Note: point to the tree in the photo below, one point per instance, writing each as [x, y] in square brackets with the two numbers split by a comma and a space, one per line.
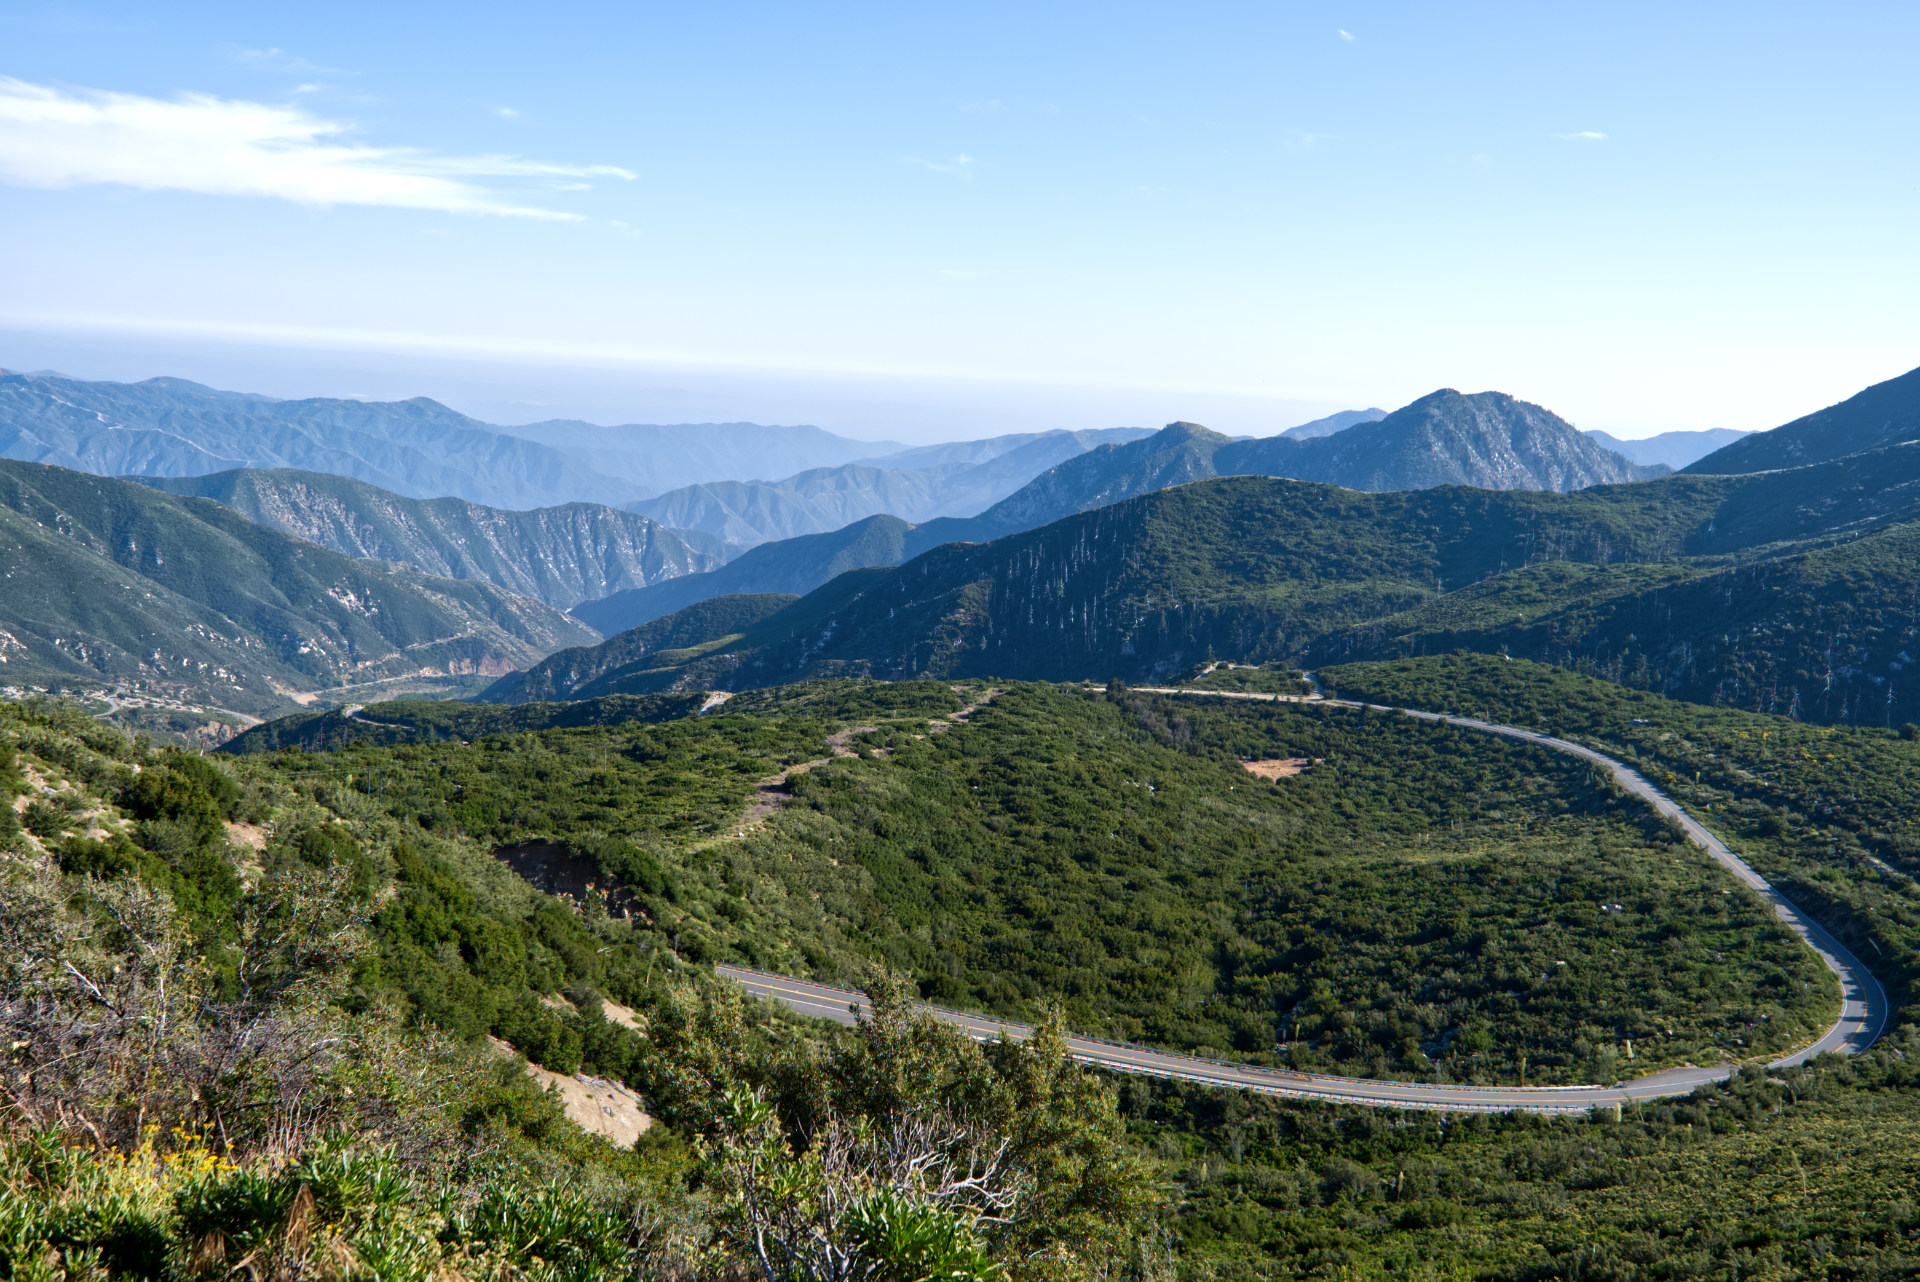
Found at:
[902, 1151]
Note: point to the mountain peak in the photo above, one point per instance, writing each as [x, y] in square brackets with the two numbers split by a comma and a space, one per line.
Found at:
[1181, 430]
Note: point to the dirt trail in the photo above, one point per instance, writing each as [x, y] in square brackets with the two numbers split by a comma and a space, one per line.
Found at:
[771, 793]
[953, 719]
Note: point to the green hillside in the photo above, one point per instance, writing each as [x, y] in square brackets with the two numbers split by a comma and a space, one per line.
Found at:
[1302, 910]
[1828, 635]
[1257, 569]
[113, 584]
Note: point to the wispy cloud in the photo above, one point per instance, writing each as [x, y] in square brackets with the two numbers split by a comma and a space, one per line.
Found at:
[281, 60]
[1343, 33]
[56, 138]
[506, 113]
[1585, 135]
[960, 166]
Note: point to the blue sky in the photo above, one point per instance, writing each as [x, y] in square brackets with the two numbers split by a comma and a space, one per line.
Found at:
[918, 221]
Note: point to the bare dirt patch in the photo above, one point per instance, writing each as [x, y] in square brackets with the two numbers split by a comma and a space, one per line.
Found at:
[1276, 768]
[252, 836]
[592, 1103]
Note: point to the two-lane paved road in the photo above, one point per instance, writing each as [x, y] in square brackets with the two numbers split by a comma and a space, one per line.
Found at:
[1862, 1017]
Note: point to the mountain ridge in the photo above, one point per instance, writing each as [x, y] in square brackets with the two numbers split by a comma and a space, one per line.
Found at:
[1887, 413]
[1268, 569]
[561, 555]
[417, 447]
[108, 582]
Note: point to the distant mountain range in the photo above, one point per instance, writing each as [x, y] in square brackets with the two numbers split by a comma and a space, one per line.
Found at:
[110, 582]
[417, 448]
[560, 555]
[1669, 449]
[917, 485]
[1490, 440]
[1333, 423]
[1478, 521]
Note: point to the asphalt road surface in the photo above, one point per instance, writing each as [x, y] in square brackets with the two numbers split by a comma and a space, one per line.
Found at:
[1863, 1013]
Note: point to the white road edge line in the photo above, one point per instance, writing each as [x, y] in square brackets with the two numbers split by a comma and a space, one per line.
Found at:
[1863, 1012]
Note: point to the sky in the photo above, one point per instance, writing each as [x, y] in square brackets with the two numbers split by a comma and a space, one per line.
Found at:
[920, 222]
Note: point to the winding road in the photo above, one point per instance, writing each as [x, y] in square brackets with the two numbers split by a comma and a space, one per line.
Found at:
[1862, 1017]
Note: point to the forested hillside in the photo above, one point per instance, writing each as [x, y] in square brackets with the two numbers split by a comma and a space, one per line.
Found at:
[1827, 635]
[1256, 569]
[108, 582]
[950, 830]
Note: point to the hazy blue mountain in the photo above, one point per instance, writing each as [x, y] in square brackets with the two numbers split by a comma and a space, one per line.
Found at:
[417, 448]
[796, 566]
[1177, 453]
[108, 582]
[955, 479]
[1884, 414]
[987, 448]
[1669, 449]
[171, 427]
[1333, 423]
[1488, 440]
[654, 459]
[560, 555]
[749, 513]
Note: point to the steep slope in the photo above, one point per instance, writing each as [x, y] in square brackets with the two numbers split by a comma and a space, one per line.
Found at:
[796, 566]
[1668, 449]
[1333, 423]
[1489, 440]
[1176, 454]
[958, 479]
[1829, 635]
[1884, 414]
[110, 582]
[560, 555]
[585, 672]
